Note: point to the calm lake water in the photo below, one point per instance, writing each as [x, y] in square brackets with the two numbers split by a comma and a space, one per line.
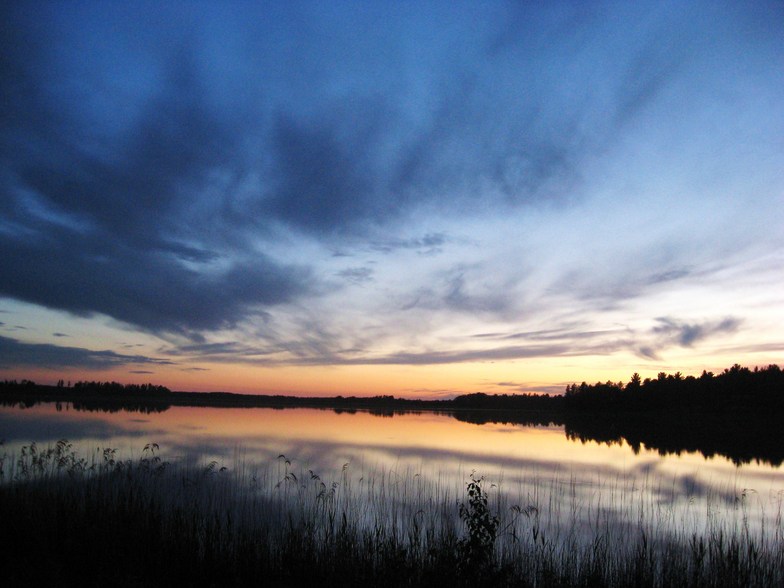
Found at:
[529, 465]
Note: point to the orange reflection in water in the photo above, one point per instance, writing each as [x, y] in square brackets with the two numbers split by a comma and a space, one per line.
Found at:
[523, 459]
[434, 436]
[429, 439]
[425, 440]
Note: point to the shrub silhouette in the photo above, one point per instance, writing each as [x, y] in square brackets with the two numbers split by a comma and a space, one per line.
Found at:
[477, 550]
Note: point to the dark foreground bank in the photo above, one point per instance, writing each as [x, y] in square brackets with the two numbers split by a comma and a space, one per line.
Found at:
[67, 520]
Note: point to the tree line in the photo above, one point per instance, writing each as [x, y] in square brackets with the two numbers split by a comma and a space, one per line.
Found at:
[735, 389]
[84, 388]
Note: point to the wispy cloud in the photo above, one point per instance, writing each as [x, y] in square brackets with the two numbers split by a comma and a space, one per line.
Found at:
[570, 340]
[686, 334]
[429, 244]
[356, 275]
[670, 332]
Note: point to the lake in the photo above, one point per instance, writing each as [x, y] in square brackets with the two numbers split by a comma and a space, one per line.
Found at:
[528, 466]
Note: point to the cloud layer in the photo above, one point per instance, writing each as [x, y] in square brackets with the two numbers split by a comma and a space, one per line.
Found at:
[318, 185]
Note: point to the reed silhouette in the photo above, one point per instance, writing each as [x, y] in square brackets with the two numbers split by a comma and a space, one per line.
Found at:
[98, 520]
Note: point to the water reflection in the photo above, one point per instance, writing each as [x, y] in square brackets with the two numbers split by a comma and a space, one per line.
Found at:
[740, 441]
[711, 435]
[539, 460]
[146, 406]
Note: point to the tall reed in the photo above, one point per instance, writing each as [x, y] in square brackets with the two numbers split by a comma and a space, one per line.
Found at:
[73, 520]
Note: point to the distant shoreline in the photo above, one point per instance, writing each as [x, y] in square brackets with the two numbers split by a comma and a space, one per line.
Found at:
[736, 390]
[736, 414]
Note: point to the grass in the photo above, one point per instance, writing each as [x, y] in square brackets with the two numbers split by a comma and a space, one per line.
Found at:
[96, 520]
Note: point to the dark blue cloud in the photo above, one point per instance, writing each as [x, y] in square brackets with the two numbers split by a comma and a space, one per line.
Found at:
[110, 232]
[109, 221]
[153, 291]
[14, 353]
[321, 183]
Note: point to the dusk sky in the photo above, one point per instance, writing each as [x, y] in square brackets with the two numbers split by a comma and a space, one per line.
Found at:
[411, 198]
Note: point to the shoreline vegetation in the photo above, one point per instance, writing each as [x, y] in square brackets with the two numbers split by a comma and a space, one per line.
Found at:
[735, 388]
[735, 414]
[74, 520]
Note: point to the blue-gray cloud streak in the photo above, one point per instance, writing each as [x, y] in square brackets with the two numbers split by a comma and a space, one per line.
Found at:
[14, 353]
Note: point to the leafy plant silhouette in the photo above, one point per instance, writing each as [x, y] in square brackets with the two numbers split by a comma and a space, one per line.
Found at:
[477, 549]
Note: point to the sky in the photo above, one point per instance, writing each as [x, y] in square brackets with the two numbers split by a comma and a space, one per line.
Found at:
[412, 198]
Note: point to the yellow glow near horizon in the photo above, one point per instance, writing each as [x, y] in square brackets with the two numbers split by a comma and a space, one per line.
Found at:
[535, 374]
[540, 375]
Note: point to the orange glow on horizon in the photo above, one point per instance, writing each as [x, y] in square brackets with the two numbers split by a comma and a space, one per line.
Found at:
[542, 375]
